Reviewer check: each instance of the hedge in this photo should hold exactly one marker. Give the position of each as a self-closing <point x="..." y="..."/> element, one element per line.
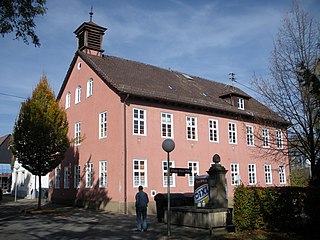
<point x="276" y="208"/>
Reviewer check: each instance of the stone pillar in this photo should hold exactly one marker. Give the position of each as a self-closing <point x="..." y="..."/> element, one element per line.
<point x="217" y="184"/>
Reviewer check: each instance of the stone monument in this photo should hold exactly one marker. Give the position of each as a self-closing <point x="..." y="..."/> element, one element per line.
<point x="213" y="214"/>
<point x="217" y="184"/>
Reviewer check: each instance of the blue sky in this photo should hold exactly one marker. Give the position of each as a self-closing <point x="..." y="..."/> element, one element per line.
<point x="202" y="38"/>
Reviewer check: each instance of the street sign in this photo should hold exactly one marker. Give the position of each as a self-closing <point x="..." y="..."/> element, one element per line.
<point x="181" y="171"/>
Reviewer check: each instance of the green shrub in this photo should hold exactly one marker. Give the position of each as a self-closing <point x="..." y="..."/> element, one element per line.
<point x="280" y="208"/>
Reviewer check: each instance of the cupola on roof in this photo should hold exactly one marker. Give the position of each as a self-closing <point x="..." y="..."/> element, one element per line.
<point x="90" y="36"/>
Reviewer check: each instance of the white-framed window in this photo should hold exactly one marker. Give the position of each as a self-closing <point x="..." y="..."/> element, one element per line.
<point x="167" y="125"/>
<point x="66" y="177"/>
<point x="89" y="175"/>
<point x="139" y="122"/>
<point x="232" y="133"/>
<point x="268" y="173"/>
<point x="279" y="137"/>
<point x="252" y="174"/>
<point x="139" y="173"/>
<point x="250" y="135"/>
<point x="213" y="130"/>
<point x="22" y="178"/>
<point x="240" y="103"/>
<point x="103" y="125"/>
<point x="57" y="177"/>
<point x="265" y="138"/>
<point x="90" y="87"/>
<point x="194" y="170"/>
<point x="77" y="133"/>
<point x="103" y="173"/>
<point x="165" y="174"/>
<point x="78" y="95"/>
<point x="235" y="174"/>
<point x="191" y="124"/>
<point x="282" y="175"/>
<point x="76" y="176"/>
<point x="68" y="100"/>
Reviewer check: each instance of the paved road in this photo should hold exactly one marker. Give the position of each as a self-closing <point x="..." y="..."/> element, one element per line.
<point x="59" y="222"/>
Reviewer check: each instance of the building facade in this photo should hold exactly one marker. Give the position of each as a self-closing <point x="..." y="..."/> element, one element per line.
<point x="120" y="111"/>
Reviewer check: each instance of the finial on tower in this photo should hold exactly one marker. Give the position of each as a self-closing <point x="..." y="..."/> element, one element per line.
<point x="91" y="13"/>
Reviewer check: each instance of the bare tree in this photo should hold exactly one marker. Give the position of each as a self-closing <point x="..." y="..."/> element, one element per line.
<point x="296" y="52"/>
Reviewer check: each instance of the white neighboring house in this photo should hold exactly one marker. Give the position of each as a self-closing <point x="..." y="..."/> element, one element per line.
<point x="27" y="183"/>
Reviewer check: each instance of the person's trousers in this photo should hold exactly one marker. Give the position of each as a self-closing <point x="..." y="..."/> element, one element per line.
<point x="141" y="218"/>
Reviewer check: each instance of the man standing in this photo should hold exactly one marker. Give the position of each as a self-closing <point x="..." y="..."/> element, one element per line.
<point x="142" y="201"/>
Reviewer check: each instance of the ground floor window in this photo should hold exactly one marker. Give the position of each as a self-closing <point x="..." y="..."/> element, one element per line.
<point x="139" y="173"/>
<point x="89" y="175"/>
<point x="195" y="171"/>
<point x="252" y="174"/>
<point x="165" y="174"/>
<point x="235" y="174"/>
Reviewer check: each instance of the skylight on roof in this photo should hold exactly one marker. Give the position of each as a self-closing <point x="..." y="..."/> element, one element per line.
<point x="204" y="94"/>
<point x="170" y="87"/>
<point x="187" y="76"/>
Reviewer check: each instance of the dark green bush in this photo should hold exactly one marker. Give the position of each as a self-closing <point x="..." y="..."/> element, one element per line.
<point x="280" y="208"/>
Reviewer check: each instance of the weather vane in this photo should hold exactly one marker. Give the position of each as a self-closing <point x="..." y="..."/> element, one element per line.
<point x="91" y="13"/>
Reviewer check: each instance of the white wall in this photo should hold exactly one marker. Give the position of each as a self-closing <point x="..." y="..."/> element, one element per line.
<point x="27" y="182"/>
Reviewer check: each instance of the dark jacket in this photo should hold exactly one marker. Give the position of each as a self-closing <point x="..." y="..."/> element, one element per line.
<point x="142" y="200"/>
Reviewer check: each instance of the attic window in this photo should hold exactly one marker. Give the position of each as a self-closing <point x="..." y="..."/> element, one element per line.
<point x="240" y="103"/>
<point x="79" y="65"/>
<point x="187" y="76"/>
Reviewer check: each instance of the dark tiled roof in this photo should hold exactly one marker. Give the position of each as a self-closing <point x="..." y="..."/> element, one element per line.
<point x="3" y="138"/>
<point x="147" y="81"/>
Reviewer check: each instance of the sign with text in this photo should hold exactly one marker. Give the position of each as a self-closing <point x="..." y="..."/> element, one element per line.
<point x="201" y="189"/>
<point x="181" y="171"/>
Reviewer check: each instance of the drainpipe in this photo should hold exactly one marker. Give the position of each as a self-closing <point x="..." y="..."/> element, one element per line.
<point x="125" y="153"/>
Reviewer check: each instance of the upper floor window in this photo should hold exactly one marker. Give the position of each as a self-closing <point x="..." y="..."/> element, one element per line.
<point x="89" y="175"/>
<point x="279" y="137"/>
<point x="139" y="173"/>
<point x="68" y="100"/>
<point x="139" y="121"/>
<point x="249" y="135"/>
<point x="78" y="95"/>
<point x="232" y="133"/>
<point x="213" y="130"/>
<point x="240" y="103"/>
<point x="191" y="123"/>
<point x="282" y="175"/>
<point x="103" y="174"/>
<point x="90" y="87"/>
<point x="103" y="125"/>
<point x="77" y="134"/>
<point x="235" y="173"/>
<point x="194" y="172"/>
<point x="167" y="125"/>
<point x="252" y="174"/>
<point x="265" y="138"/>
<point x="268" y="173"/>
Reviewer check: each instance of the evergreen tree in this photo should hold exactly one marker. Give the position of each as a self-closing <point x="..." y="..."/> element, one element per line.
<point x="40" y="133"/>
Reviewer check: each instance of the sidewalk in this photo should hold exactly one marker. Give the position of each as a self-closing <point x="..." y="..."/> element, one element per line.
<point x="59" y="222"/>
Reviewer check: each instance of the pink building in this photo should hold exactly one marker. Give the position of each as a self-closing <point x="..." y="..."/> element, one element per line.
<point x="120" y="112"/>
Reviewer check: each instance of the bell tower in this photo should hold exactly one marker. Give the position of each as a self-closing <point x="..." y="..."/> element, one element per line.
<point x="90" y="37"/>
